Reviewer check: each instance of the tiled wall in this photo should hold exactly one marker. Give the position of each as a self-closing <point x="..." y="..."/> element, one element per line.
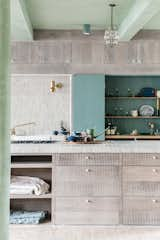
<point x="32" y="101"/>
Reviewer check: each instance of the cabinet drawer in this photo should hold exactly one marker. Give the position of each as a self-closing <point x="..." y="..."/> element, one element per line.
<point x="141" y="211"/>
<point x="87" y="181"/>
<point x="141" y="181"/>
<point x="87" y="211"/>
<point x="73" y="159"/>
<point x="141" y="159"/>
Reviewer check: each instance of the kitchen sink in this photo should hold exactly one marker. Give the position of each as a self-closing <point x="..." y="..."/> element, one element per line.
<point x="35" y="139"/>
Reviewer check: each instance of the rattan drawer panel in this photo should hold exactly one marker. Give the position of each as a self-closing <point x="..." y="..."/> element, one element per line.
<point x="141" y="181"/>
<point x="141" y="159"/>
<point x="70" y="159"/>
<point x="90" y="180"/>
<point x="141" y="211"/>
<point x="87" y="211"/>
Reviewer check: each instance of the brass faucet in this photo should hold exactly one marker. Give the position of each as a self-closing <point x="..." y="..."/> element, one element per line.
<point x="13" y="130"/>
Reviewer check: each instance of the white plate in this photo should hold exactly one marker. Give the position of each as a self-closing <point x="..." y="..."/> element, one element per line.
<point x="146" y="110"/>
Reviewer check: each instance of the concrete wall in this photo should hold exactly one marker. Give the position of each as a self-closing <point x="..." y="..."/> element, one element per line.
<point x="32" y="101"/>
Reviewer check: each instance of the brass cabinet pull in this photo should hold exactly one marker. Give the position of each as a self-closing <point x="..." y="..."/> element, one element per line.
<point x="154" y="170"/>
<point x="154" y="201"/>
<point x="88" y="170"/>
<point x="87" y="157"/>
<point x="88" y="201"/>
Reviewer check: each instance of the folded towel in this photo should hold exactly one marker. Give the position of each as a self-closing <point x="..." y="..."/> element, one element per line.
<point x="28" y="185"/>
<point x="24" y="217"/>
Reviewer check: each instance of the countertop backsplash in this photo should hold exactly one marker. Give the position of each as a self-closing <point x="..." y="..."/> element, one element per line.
<point x="32" y="101"/>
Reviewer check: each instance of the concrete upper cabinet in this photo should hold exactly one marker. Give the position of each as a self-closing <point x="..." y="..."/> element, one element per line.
<point x="84" y="56"/>
<point x="116" y="55"/>
<point x="88" y="105"/>
<point x="151" y="52"/>
<point x="41" y="52"/>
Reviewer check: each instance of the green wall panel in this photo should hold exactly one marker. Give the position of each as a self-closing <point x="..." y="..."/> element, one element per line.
<point x="4" y="118"/>
<point x="88" y="105"/>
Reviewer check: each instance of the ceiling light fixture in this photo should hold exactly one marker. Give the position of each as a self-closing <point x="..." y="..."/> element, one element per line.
<point x="87" y="29"/>
<point x="111" y="35"/>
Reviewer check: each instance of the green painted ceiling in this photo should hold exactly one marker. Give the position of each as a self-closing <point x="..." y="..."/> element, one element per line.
<point x="71" y="14"/>
<point x="68" y="14"/>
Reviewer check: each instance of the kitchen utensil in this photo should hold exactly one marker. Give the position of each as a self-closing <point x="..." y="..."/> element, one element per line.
<point x="134" y="113"/>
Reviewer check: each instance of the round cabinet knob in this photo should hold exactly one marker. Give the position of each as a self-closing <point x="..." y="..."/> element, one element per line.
<point x="88" y="201"/>
<point x="88" y="170"/>
<point x="154" y="170"/>
<point x="87" y="157"/>
<point x="154" y="157"/>
<point x="154" y="201"/>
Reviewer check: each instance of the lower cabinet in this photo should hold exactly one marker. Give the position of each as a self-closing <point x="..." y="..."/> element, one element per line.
<point x="107" y="189"/>
<point x="88" y="193"/>
<point x="98" y="211"/>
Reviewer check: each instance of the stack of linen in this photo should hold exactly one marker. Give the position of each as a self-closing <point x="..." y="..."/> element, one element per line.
<point x="24" y="217"/>
<point x="28" y="185"/>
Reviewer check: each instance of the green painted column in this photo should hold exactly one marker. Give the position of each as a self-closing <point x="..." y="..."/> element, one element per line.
<point x="4" y="117"/>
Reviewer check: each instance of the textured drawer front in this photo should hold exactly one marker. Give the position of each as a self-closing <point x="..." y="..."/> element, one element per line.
<point x="141" y="181"/>
<point x="141" y="159"/>
<point x="87" y="211"/>
<point x="141" y="211"/>
<point x="87" y="181"/>
<point x="71" y="159"/>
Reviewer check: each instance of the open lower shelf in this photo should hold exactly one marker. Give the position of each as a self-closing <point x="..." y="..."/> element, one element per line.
<point x="31" y="165"/>
<point x="125" y="137"/>
<point x="130" y="117"/>
<point x="33" y="196"/>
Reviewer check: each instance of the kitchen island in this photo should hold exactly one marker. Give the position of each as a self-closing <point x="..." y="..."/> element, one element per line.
<point x="110" y="183"/>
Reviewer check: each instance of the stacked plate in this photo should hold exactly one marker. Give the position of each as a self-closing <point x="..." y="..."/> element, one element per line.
<point x="146" y="110"/>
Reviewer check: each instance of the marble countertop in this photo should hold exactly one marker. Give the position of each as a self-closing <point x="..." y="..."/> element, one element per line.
<point x="105" y="147"/>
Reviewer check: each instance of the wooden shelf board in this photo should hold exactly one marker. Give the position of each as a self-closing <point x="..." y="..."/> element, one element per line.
<point x="130" y="117"/>
<point x="149" y="137"/>
<point x="27" y="196"/>
<point x="30" y="165"/>
<point x="139" y="98"/>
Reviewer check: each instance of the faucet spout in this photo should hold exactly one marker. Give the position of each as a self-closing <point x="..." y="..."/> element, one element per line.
<point x="13" y="130"/>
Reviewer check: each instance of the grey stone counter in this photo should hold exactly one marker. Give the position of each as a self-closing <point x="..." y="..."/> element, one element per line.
<point x="106" y="147"/>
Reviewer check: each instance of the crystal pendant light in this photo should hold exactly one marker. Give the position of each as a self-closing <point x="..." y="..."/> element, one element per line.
<point x="111" y="35"/>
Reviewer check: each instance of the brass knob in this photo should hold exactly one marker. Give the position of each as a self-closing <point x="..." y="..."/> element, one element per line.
<point x="87" y="157"/>
<point x="88" y="201"/>
<point x="88" y="170"/>
<point x="154" y="170"/>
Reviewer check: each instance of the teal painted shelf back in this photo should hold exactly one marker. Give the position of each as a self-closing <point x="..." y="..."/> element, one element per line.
<point x="119" y="85"/>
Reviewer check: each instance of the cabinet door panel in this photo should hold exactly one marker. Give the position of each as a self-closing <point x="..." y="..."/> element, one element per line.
<point x="83" y="159"/>
<point x="141" y="211"/>
<point x="141" y="159"/>
<point x="141" y="181"/>
<point x="88" y="181"/>
<point x="151" y="51"/>
<point x="87" y="211"/>
<point x="88" y="102"/>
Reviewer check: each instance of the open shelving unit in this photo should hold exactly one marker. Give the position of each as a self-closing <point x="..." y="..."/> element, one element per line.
<point x="34" y="166"/>
<point x="138" y="117"/>
<point x="121" y="97"/>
